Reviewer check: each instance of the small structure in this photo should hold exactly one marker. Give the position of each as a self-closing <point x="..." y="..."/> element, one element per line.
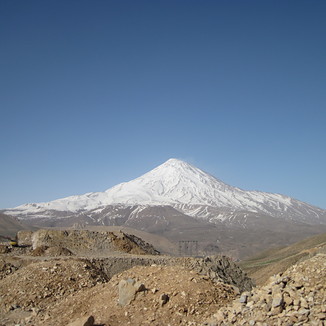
<point x="188" y="248"/>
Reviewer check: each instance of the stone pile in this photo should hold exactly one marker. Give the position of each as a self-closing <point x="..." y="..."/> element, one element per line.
<point x="297" y="297"/>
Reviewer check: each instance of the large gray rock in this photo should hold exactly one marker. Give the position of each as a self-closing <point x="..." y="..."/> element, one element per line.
<point x="128" y="289"/>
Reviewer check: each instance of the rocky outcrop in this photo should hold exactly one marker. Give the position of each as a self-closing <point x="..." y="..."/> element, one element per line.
<point x="220" y="269"/>
<point x="297" y="297"/>
<point x="51" y="252"/>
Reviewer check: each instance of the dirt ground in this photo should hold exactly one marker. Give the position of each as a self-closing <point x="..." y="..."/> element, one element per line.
<point x="67" y="290"/>
<point x="37" y="289"/>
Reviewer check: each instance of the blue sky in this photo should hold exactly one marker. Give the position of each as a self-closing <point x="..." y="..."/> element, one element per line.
<point x="94" y="93"/>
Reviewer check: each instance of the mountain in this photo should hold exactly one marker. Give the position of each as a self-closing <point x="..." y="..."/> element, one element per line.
<point x="9" y="226"/>
<point x="186" y="188"/>
<point x="181" y="202"/>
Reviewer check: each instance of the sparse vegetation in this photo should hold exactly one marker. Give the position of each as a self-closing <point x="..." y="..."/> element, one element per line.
<point x="274" y="261"/>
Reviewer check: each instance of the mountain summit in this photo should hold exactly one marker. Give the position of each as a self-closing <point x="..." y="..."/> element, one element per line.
<point x="173" y="182"/>
<point x="186" y="188"/>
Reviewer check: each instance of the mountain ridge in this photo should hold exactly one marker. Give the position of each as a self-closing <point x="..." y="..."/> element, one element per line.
<point x="188" y="189"/>
<point x="183" y="203"/>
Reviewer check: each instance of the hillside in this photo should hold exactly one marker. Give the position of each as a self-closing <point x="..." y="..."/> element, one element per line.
<point x="274" y="261"/>
<point x="295" y="297"/>
<point x="9" y="226"/>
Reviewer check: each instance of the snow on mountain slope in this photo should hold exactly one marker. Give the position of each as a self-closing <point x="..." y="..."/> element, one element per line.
<point x="185" y="187"/>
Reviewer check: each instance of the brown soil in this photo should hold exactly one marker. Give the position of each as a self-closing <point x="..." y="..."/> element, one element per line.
<point x="51" y="252"/>
<point x="190" y="299"/>
<point x="43" y="290"/>
<point x="40" y="284"/>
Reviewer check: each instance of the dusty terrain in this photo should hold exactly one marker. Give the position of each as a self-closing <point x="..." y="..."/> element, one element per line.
<point x="58" y="276"/>
<point x="189" y="296"/>
<point x="51" y="284"/>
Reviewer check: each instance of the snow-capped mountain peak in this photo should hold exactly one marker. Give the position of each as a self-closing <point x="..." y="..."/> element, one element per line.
<point x="184" y="187"/>
<point x="173" y="182"/>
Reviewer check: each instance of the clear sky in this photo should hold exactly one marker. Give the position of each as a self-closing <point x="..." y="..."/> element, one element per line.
<point x="98" y="92"/>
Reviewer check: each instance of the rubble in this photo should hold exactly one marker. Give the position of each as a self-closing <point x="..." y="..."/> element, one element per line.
<point x="296" y="297"/>
<point x="160" y="294"/>
<point x="40" y="284"/>
<point x="51" y="286"/>
<point x="86" y="242"/>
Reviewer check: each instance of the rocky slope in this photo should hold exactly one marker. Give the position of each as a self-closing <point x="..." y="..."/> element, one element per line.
<point x="63" y="292"/>
<point x="296" y="297"/>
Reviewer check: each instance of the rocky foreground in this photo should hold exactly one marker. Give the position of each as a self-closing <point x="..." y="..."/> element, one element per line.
<point x="57" y="291"/>
<point x="296" y="297"/>
<point x="49" y="284"/>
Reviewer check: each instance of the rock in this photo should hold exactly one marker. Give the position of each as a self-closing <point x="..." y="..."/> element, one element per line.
<point x="276" y="310"/>
<point x="244" y="297"/>
<point x="295" y="298"/>
<point x="277" y="300"/>
<point x="321" y="316"/>
<point x="304" y="312"/>
<point x="128" y="289"/>
<point x="164" y="299"/>
<point x="304" y="303"/>
<point x="83" y="321"/>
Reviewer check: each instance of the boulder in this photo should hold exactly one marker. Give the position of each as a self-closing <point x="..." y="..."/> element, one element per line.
<point x="128" y="289"/>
